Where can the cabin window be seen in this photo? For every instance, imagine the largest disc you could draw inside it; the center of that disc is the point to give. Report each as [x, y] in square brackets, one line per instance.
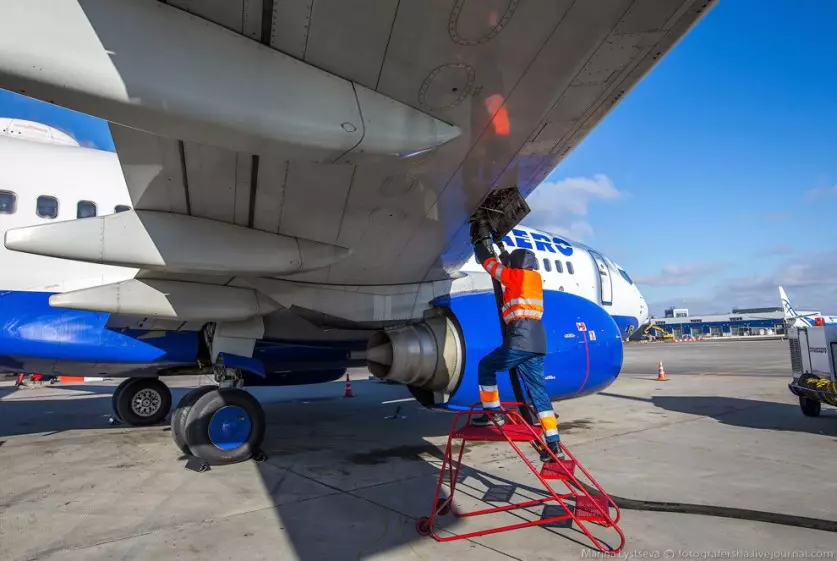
[85, 209]
[547, 266]
[570, 268]
[8, 202]
[559, 267]
[121, 208]
[47, 207]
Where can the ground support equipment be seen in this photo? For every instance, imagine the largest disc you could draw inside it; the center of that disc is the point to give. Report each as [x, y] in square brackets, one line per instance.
[591, 504]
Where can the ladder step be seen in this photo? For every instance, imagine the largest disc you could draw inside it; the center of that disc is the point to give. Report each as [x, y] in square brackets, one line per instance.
[516, 433]
[585, 508]
[552, 470]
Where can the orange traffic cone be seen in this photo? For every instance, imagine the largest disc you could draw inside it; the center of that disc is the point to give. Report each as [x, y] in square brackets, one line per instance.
[661, 373]
[348, 388]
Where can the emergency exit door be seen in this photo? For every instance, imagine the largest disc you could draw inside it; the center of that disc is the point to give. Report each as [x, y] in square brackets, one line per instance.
[605, 282]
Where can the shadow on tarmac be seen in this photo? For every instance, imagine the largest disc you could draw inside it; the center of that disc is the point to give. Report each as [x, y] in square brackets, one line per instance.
[746, 413]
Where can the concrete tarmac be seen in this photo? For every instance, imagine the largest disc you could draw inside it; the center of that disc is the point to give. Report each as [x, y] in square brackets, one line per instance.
[346, 478]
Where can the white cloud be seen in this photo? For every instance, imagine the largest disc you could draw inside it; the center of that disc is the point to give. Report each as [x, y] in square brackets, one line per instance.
[576, 231]
[809, 280]
[679, 275]
[561, 206]
[822, 192]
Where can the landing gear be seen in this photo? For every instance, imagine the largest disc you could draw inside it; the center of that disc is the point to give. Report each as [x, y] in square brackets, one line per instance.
[181, 413]
[225, 426]
[141, 401]
[220, 425]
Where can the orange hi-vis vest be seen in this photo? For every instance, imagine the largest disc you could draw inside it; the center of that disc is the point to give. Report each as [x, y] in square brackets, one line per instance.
[523, 294]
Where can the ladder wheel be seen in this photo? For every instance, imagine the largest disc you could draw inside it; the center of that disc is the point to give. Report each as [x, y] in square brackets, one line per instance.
[423, 526]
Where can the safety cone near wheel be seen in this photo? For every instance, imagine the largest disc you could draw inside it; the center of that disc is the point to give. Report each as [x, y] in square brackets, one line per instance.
[348, 388]
[661, 373]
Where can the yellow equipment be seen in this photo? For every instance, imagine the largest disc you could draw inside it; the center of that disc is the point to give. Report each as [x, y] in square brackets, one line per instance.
[658, 332]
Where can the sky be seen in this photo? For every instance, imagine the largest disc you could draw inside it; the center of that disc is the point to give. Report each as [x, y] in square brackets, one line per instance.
[715, 179]
[711, 183]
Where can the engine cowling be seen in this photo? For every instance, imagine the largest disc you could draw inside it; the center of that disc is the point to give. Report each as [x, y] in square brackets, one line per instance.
[428, 357]
[438, 358]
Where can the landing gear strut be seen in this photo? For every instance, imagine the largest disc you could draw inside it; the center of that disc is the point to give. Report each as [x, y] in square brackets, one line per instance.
[141, 401]
[219, 425]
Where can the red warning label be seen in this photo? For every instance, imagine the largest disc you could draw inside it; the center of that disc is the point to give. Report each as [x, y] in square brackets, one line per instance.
[580, 325]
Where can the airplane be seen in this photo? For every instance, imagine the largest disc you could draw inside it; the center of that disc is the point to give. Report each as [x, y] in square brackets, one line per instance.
[297, 205]
[793, 319]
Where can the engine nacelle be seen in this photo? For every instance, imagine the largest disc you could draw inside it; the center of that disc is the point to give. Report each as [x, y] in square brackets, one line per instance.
[438, 358]
[428, 356]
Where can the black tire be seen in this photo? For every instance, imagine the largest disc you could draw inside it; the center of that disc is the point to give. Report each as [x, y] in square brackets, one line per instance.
[810, 407]
[143, 402]
[181, 413]
[423, 526]
[199, 422]
[119, 389]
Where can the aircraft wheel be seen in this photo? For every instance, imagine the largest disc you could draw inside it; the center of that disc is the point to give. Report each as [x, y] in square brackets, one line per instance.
[143, 401]
[181, 413]
[810, 407]
[119, 389]
[225, 426]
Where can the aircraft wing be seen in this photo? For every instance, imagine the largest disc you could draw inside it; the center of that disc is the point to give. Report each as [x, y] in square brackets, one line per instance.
[220, 109]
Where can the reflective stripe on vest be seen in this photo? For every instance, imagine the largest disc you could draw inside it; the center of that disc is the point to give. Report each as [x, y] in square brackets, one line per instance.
[494, 267]
[524, 303]
[523, 297]
[522, 314]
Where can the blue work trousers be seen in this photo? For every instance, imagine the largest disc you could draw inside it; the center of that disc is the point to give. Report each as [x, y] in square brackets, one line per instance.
[530, 367]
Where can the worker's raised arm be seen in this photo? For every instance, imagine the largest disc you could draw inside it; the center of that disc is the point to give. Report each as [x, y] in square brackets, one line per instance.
[490, 263]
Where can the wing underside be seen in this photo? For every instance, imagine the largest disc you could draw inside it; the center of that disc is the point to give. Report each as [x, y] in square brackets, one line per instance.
[371, 127]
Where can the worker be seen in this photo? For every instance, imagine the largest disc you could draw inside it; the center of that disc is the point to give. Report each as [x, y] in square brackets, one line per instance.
[524, 339]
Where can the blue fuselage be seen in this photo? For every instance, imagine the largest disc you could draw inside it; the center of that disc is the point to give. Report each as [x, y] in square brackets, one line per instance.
[584, 345]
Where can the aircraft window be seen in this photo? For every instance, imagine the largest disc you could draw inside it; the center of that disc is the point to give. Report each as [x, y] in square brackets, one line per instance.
[8, 202]
[559, 267]
[121, 208]
[47, 207]
[626, 277]
[85, 209]
[546, 265]
[537, 265]
[570, 268]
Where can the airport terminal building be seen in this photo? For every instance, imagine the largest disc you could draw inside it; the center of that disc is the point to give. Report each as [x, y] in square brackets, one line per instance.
[740, 322]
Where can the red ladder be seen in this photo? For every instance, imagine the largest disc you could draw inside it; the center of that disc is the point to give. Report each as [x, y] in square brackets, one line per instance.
[589, 507]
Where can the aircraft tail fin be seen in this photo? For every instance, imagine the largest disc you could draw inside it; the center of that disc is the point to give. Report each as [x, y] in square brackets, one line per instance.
[791, 317]
[786, 305]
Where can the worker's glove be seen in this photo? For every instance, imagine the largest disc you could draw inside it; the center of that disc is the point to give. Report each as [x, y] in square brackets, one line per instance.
[480, 232]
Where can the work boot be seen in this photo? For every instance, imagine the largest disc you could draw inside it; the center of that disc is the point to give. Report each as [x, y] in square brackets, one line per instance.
[485, 420]
[546, 457]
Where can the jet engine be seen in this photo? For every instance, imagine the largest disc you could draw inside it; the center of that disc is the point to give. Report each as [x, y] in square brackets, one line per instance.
[438, 358]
